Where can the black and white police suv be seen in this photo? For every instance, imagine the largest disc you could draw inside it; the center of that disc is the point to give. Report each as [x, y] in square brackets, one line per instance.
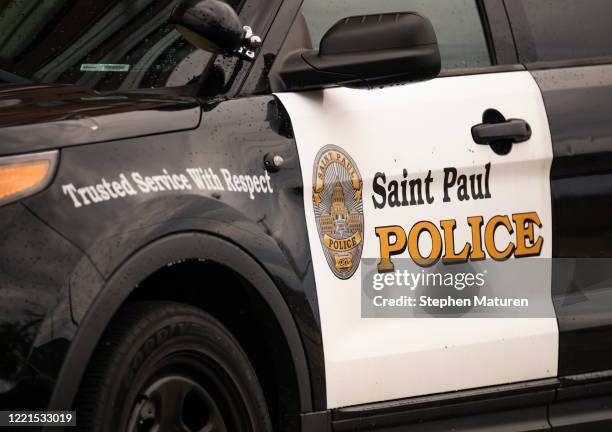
[189, 193]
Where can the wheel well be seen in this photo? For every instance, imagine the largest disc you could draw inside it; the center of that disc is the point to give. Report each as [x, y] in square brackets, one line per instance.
[235, 303]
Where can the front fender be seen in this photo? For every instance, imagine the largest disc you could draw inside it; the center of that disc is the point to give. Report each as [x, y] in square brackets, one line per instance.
[268, 224]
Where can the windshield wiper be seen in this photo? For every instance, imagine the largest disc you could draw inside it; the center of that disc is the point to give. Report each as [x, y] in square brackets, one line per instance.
[11, 78]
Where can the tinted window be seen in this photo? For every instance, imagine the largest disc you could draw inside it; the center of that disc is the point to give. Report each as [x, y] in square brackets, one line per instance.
[556, 30]
[105, 45]
[457, 24]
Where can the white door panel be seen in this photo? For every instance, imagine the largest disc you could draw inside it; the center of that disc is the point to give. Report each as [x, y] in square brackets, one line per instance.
[421, 127]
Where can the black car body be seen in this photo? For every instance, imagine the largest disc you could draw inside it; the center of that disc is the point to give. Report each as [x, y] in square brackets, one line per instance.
[167, 193]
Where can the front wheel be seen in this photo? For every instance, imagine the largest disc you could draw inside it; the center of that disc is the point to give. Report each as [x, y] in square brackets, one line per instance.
[169, 367]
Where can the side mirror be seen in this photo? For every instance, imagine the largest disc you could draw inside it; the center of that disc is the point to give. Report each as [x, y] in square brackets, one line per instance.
[214, 26]
[365, 51]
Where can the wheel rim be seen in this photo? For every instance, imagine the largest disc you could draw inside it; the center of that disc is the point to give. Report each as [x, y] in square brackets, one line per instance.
[186, 395]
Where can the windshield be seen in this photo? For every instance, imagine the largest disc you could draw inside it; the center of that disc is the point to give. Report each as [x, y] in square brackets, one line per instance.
[105, 45]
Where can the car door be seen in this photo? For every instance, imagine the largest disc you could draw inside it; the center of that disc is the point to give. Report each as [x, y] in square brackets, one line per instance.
[360, 152]
[567, 50]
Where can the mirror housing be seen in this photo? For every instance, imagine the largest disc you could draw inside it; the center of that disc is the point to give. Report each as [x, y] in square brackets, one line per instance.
[214, 26]
[366, 51]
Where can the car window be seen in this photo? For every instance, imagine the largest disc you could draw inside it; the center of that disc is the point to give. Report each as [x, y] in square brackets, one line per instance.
[457, 24]
[105, 45]
[562, 29]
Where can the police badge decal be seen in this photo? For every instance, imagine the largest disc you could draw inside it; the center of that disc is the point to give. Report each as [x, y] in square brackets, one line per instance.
[338, 207]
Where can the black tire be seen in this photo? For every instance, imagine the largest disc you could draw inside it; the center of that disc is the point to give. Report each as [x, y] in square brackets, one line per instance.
[167, 367]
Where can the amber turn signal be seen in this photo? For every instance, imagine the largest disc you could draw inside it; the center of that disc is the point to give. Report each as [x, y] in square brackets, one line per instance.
[24, 175]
